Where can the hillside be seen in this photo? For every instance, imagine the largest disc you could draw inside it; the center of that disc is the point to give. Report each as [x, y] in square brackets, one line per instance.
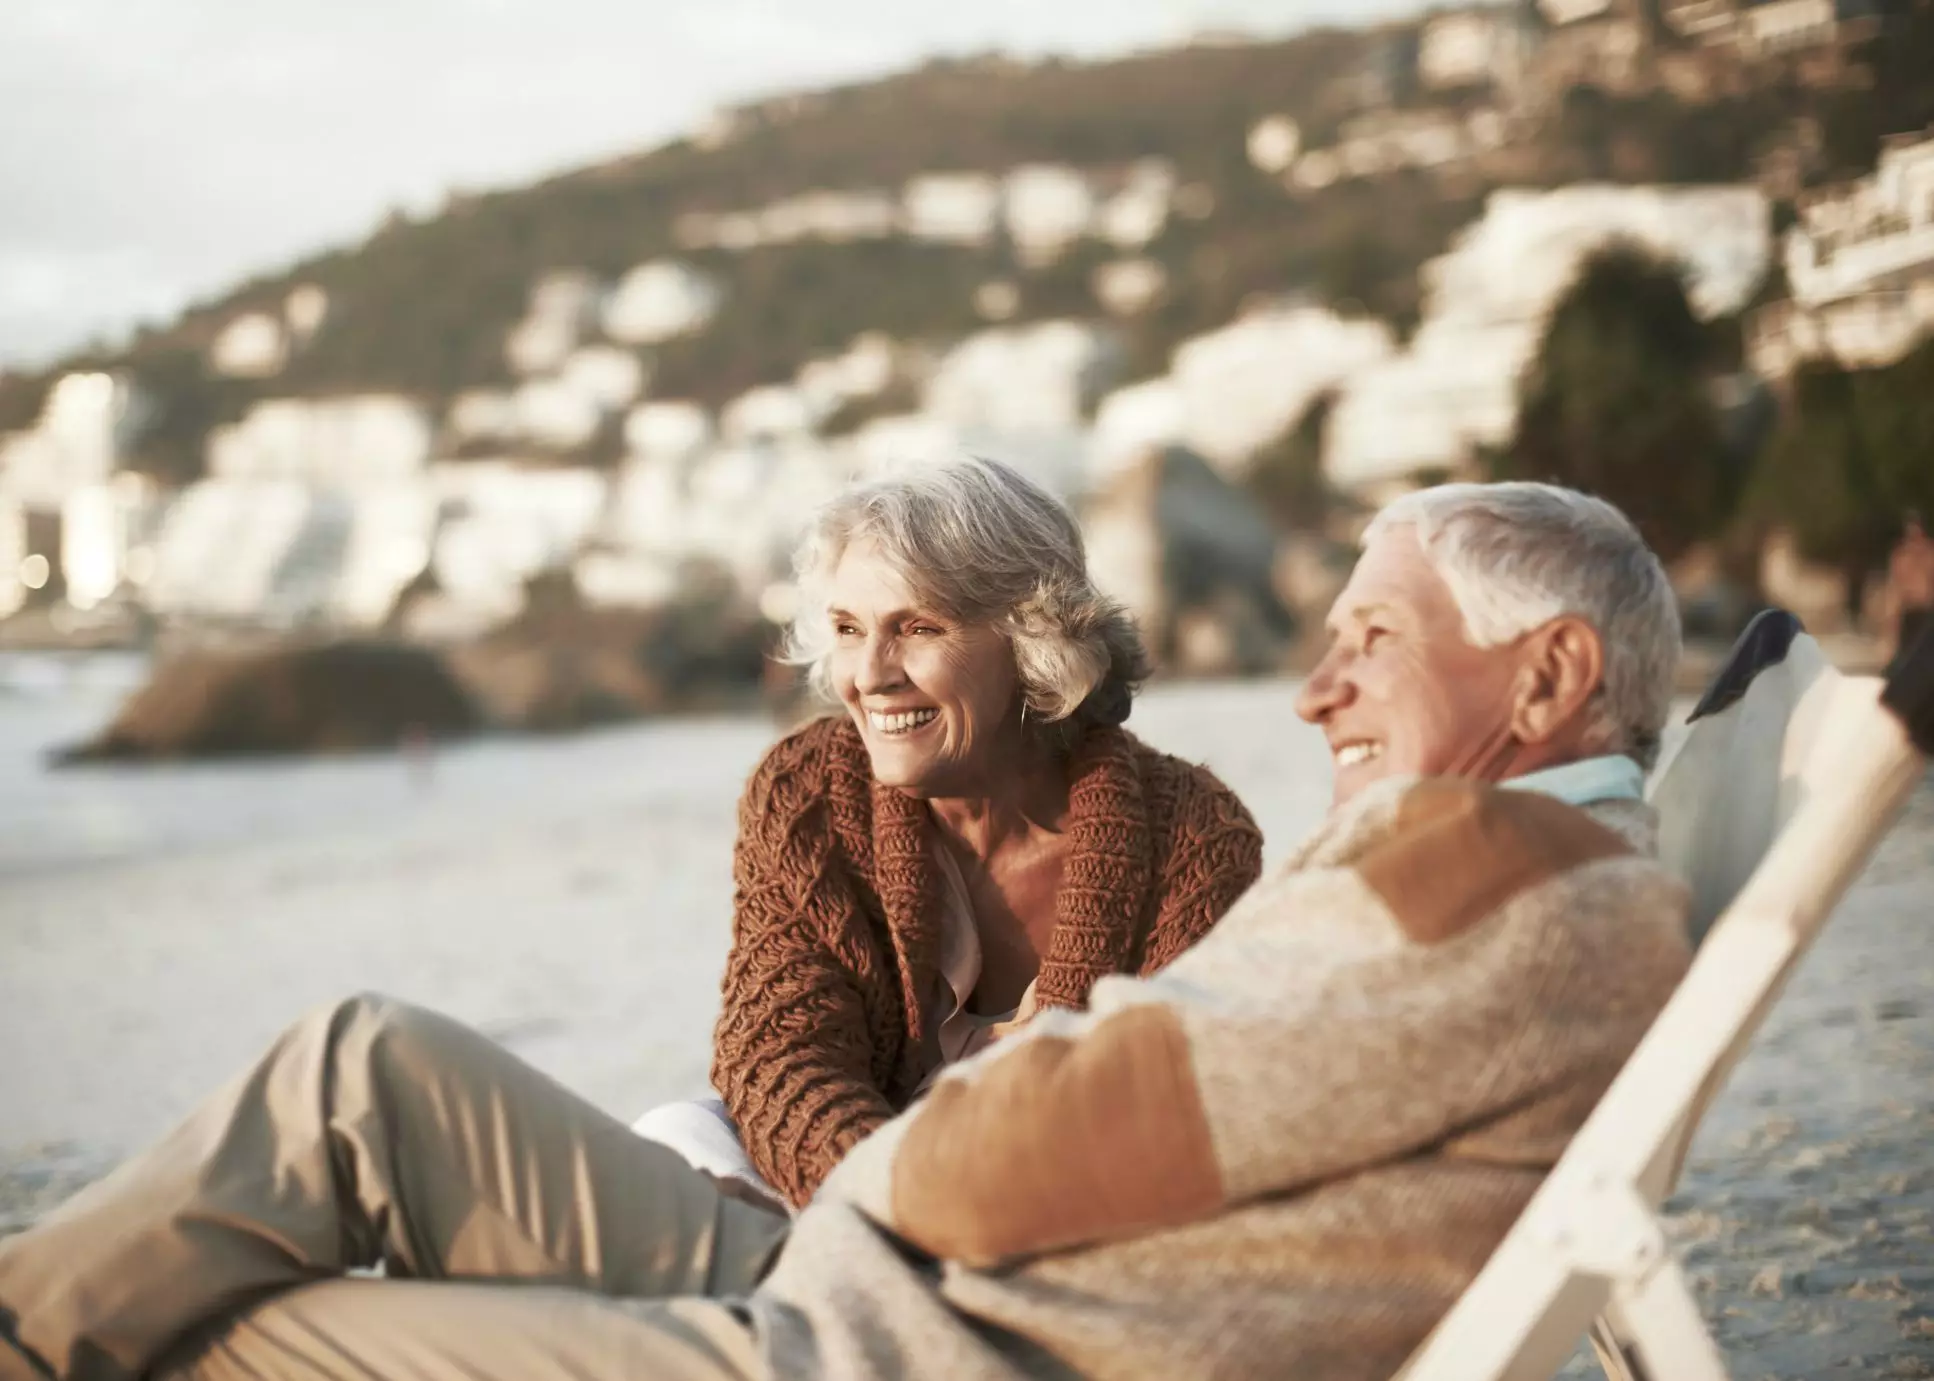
[422, 307]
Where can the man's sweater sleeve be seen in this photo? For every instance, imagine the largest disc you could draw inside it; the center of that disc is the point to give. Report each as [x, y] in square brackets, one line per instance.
[1486, 950]
[791, 1058]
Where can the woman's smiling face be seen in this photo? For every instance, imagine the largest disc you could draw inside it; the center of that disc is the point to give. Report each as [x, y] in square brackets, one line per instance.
[937, 700]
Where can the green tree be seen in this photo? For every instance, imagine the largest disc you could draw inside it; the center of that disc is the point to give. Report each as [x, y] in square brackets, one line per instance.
[1616, 403]
[1853, 454]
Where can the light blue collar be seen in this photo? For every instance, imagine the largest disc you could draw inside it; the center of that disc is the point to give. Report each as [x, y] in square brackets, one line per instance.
[1609, 777]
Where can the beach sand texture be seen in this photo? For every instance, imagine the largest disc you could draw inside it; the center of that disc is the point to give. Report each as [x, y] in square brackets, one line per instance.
[571, 898]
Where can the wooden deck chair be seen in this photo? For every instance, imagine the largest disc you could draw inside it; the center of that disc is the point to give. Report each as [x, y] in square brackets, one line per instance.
[1782, 751]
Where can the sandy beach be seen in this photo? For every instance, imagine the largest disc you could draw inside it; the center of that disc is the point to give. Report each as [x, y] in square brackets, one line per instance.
[571, 898]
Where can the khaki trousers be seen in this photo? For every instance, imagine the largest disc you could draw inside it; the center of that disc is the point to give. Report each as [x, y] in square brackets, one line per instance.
[523, 1232]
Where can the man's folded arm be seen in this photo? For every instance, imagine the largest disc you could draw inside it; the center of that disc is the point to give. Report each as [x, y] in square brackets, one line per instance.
[1273, 1056]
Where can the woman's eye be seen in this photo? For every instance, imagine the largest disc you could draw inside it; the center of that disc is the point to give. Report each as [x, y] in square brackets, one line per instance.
[846, 630]
[926, 630]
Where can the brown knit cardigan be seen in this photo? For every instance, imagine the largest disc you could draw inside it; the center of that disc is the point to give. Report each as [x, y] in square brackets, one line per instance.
[836, 926]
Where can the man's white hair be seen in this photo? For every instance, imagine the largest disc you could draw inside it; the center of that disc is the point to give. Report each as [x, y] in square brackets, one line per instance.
[1517, 555]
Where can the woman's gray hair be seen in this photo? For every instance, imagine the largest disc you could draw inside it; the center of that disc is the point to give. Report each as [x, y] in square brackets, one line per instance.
[982, 544]
[1517, 555]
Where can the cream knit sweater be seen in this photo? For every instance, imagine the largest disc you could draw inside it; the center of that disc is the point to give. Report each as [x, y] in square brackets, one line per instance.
[1285, 1155]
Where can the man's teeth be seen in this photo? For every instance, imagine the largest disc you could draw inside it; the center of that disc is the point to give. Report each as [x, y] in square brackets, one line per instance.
[1350, 754]
[900, 723]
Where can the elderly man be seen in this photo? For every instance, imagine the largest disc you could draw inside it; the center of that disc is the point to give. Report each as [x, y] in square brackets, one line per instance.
[1285, 1155]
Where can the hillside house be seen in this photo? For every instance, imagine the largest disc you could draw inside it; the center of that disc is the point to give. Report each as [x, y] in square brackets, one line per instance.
[355, 440]
[251, 346]
[1775, 27]
[658, 301]
[1037, 378]
[1471, 48]
[78, 440]
[1860, 264]
[770, 412]
[1137, 211]
[954, 208]
[1274, 143]
[1486, 301]
[1867, 330]
[553, 416]
[1048, 206]
[1385, 141]
[563, 306]
[1126, 287]
[1242, 386]
[672, 430]
[1875, 232]
[611, 377]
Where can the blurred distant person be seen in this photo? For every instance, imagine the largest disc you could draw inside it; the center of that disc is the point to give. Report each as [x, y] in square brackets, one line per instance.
[1284, 1155]
[973, 838]
[1910, 585]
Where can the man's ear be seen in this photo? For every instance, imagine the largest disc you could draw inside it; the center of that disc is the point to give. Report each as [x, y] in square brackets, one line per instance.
[1562, 668]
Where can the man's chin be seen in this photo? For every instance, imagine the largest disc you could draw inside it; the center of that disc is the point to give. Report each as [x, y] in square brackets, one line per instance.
[1351, 782]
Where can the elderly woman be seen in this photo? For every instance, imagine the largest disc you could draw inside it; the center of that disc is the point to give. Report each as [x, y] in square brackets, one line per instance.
[972, 838]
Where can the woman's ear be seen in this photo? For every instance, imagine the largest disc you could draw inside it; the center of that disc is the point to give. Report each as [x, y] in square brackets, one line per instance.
[1563, 667]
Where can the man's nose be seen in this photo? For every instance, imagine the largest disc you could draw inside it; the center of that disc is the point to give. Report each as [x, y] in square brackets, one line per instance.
[1325, 692]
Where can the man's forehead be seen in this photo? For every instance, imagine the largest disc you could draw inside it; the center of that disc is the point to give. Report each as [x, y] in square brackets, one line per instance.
[1392, 575]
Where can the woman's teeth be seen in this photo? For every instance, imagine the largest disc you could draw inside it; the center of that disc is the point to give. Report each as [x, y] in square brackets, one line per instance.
[1350, 754]
[900, 723]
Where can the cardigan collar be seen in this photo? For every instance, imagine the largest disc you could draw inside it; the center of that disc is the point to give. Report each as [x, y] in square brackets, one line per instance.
[1099, 906]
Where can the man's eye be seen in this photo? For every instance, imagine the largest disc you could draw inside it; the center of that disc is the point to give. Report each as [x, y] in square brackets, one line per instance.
[1373, 636]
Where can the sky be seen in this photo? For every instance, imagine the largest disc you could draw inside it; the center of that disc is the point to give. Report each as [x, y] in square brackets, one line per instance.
[156, 151]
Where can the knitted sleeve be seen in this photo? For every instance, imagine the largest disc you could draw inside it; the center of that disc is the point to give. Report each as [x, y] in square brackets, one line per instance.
[792, 1055]
[1213, 854]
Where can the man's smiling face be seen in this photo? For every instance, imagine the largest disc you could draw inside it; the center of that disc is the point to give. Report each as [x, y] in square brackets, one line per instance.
[1401, 690]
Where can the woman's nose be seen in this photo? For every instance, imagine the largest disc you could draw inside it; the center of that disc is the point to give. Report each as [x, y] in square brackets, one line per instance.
[879, 668]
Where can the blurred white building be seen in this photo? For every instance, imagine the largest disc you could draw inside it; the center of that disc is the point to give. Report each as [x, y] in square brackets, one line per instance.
[1036, 378]
[556, 417]
[223, 544]
[1475, 47]
[863, 370]
[1384, 141]
[1129, 286]
[84, 426]
[304, 310]
[1048, 207]
[251, 346]
[658, 301]
[612, 378]
[954, 208]
[14, 590]
[1487, 299]
[352, 440]
[1274, 143]
[1860, 264]
[1136, 212]
[505, 524]
[670, 429]
[563, 306]
[770, 412]
[1875, 232]
[487, 415]
[1232, 391]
